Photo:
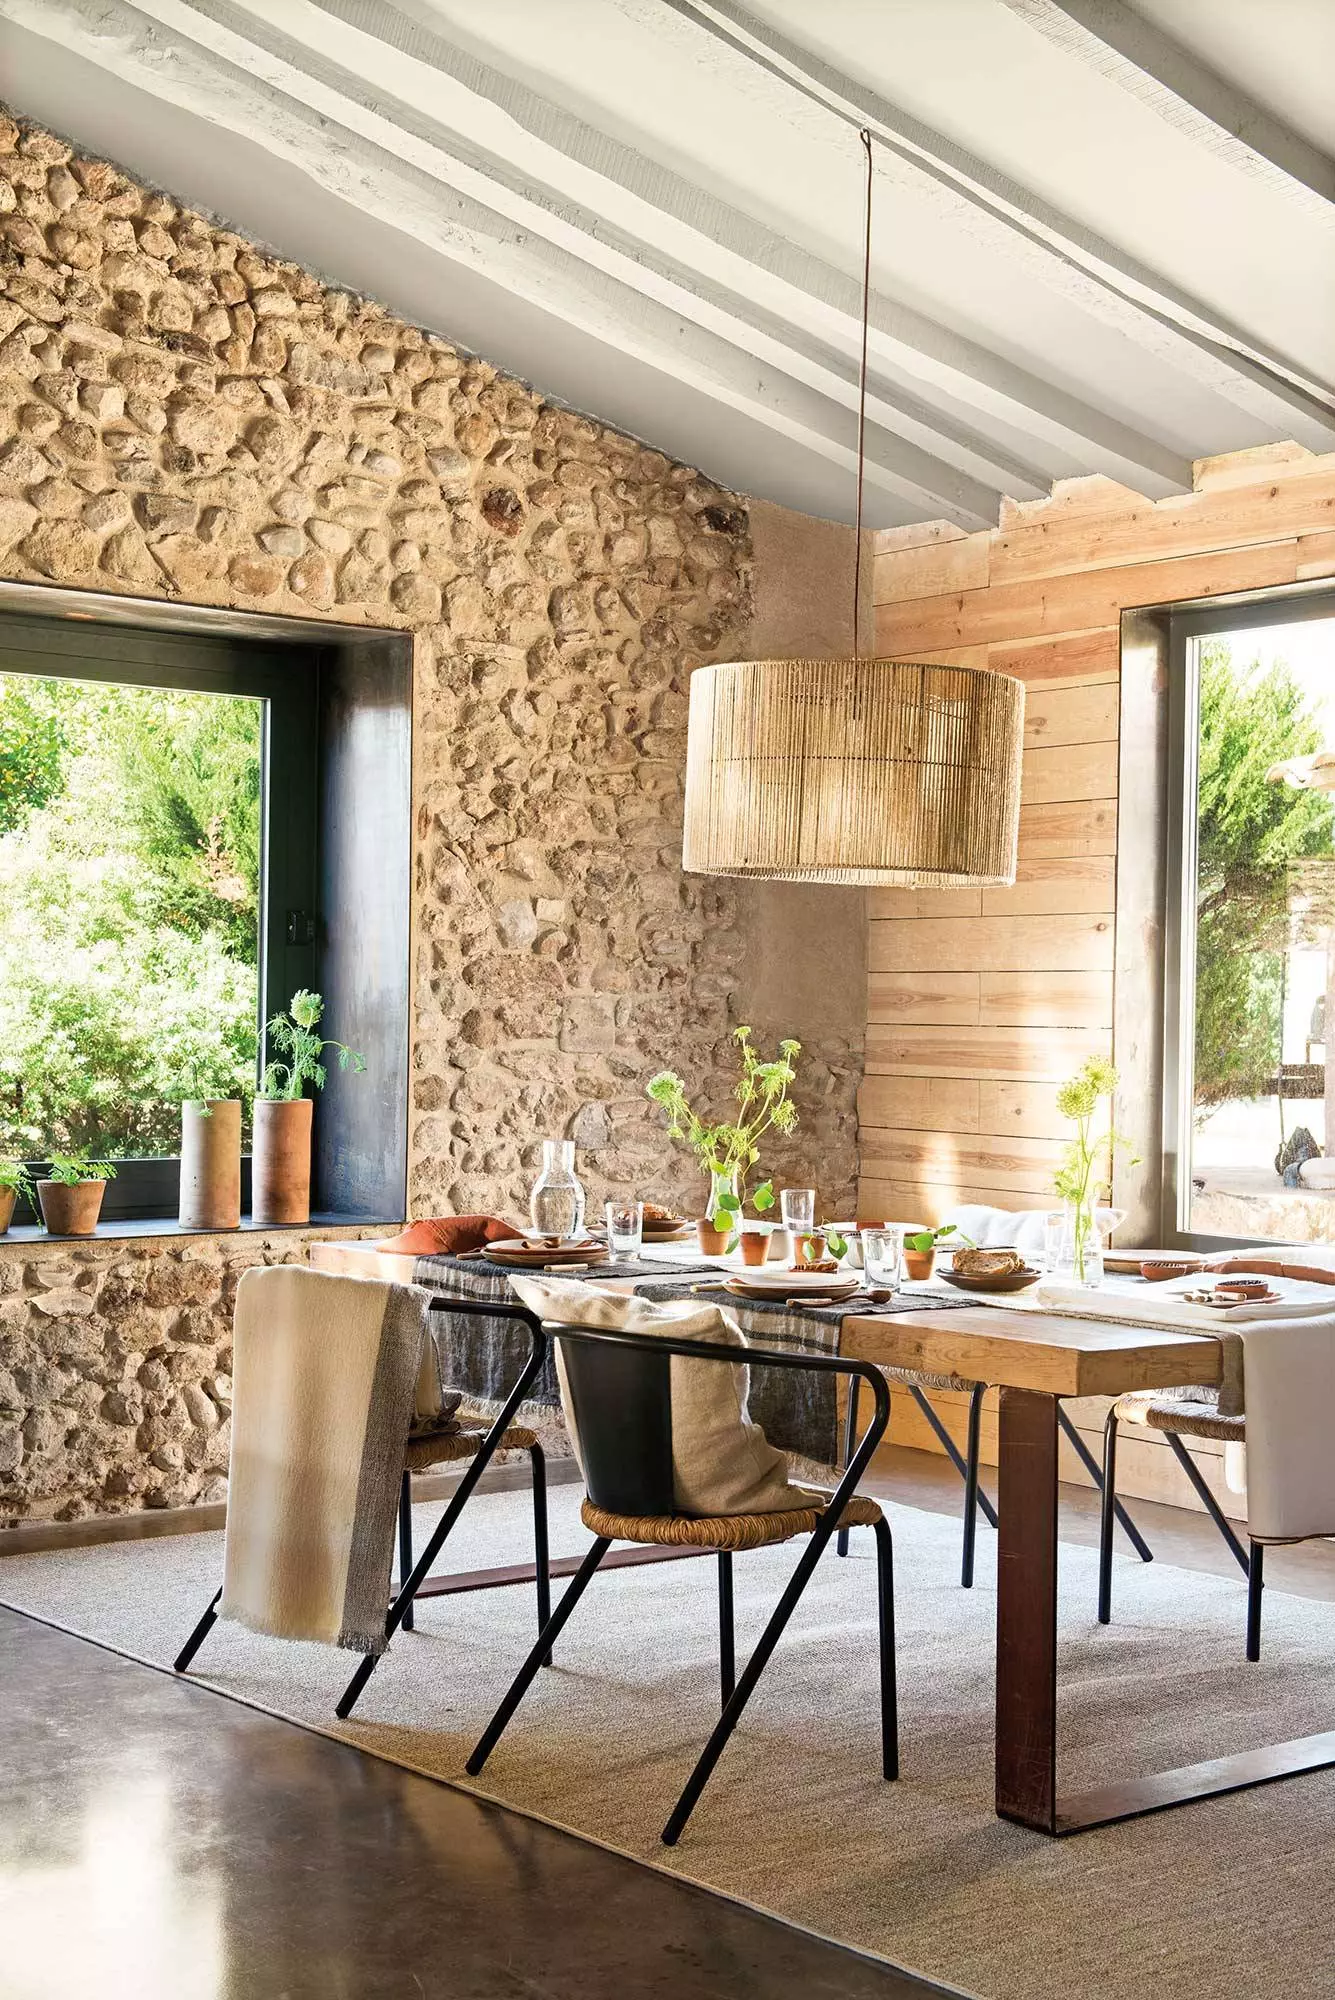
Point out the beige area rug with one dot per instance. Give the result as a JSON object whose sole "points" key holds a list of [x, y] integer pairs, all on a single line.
{"points": [[1228, 1898]]}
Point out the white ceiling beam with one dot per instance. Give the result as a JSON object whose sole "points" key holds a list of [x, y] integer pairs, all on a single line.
{"points": [[709, 240], [152, 47], [1187, 94], [1007, 219]]}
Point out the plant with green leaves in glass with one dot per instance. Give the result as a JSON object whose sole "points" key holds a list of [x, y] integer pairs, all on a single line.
{"points": [[295, 1036], [70, 1172], [729, 1150], [1086, 1172]]}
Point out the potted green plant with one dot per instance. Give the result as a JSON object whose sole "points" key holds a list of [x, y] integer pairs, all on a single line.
{"points": [[281, 1150], [71, 1198], [15, 1185], [920, 1250], [729, 1150]]}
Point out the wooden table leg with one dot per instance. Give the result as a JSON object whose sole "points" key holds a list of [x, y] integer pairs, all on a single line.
{"points": [[1026, 1754]]}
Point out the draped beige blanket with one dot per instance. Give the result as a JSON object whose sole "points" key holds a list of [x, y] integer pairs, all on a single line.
{"points": [[324, 1374]]}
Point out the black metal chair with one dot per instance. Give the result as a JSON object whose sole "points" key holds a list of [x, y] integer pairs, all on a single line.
{"points": [[1175, 1415], [917, 1382], [478, 1443], [619, 1385]]}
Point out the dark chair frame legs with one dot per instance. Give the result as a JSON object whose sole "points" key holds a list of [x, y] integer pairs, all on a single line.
{"points": [[401, 1607], [1249, 1557], [537, 1459], [737, 1691], [975, 1499]]}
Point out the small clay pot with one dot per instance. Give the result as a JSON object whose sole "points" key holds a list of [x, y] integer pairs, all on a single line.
{"points": [[919, 1264], [713, 1242], [808, 1248], [8, 1197], [70, 1211], [755, 1244], [211, 1164], [280, 1173]]}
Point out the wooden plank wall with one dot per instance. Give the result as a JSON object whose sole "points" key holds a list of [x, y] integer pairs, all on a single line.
{"points": [[982, 1000]]}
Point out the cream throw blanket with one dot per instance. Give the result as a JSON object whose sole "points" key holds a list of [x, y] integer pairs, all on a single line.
{"points": [[324, 1374]]}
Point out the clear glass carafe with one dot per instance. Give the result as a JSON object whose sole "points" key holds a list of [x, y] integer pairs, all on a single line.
{"points": [[556, 1204]]}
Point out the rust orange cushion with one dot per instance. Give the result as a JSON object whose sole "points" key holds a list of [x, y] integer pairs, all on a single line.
{"points": [[448, 1235]]}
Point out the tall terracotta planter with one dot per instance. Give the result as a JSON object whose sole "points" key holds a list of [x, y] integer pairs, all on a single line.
{"points": [[281, 1160], [70, 1210], [211, 1164]]}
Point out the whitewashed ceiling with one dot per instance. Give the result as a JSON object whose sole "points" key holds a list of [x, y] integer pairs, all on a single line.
{"points": [[1104, 232]]}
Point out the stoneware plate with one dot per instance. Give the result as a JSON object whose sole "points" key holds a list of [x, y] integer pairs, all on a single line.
{"points": [[516, 1251], [1010, 1281], [1127, 1263], [789, 1284]]}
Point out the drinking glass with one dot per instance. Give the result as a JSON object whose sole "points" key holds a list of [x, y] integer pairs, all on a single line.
{"points": [[1054, 1230], [798, 1208], [625, 1228], [882, 1250]]}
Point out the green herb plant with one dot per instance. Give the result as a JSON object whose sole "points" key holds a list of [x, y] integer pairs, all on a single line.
{"points": [[729, 1150], [924, 1240], [14, 1176], [73, 1173], [295, 1035]]}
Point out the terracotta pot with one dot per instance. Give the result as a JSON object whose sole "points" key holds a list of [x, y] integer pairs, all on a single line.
{"points": [[281, 1160], [7, 1199], [70, 1211], [211, 1164], [806, 1248], [755, 1244], [919, 1264], [713, 1242]]}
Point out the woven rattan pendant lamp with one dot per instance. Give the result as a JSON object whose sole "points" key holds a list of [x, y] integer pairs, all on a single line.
{"points": [[854, 770]]}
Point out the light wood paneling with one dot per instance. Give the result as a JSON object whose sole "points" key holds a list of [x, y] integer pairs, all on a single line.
{"points": [[982, 1000], [1023, 1055], [1006, 944], [950, 999], [1045, 1000], [1021, 1166], [1008, 611], [1086, 826], [1070, 661], [1086, 714]]}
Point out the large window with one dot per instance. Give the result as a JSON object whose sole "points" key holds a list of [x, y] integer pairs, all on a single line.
{"points": [[1251, 1029], [157, 855]]}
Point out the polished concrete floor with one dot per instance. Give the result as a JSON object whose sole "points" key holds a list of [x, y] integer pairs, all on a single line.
{"points": [[159, 1842]]}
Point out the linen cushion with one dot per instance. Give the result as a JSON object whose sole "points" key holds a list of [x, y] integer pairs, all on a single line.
{"points": [[722, 1463]]}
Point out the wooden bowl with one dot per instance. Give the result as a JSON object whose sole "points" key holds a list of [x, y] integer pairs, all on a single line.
{"points": [[1158, 1270], [1009, 1281]]}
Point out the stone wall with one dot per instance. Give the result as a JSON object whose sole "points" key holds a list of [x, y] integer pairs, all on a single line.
{"points": [[184, 416]]}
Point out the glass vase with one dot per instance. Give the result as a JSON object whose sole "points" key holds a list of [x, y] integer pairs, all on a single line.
{"points": [[723, 1184], [556, 1204], [1079, 1258]]}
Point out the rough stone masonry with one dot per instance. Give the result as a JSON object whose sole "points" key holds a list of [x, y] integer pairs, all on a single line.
{"points": [[185, 416]]}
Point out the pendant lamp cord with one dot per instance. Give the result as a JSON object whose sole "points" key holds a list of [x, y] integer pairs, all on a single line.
{"points": [[865, 137]]}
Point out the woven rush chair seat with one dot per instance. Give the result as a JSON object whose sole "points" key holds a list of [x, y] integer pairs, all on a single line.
{"points": [[722, 1531], [1161, 1410], [447, 1447], [920, 1378]]}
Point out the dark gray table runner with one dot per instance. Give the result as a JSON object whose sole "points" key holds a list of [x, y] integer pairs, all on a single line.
{"points": [[483, 1356]]}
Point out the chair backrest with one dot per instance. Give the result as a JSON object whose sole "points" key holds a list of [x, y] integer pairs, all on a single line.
{"points": [[622, 1404]]}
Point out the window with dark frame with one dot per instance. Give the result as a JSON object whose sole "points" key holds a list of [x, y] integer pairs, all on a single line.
{"points": [[1249, 1086], [158, 884]]}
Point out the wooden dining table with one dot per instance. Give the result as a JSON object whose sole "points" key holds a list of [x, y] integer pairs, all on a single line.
{"points": [[1036, 1359]]}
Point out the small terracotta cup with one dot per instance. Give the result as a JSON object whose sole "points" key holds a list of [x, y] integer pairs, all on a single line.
{"points": [[713, 1242], [806, 1249], [919, 1264], [755, 1243]]}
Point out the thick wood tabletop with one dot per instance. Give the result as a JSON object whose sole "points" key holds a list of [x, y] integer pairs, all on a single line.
{"points": [[1034, 1350]]}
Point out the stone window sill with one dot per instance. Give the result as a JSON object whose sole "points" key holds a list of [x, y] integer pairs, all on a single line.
{"points": [[24, 1235]]}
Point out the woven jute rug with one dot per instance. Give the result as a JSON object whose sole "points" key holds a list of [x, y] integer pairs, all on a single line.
{"points": [[1227, 1898]]}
